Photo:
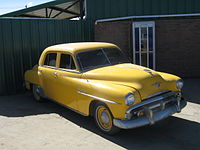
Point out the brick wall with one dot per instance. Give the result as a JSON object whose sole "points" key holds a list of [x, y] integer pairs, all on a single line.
{"points": [[177, 43], [178, 46], [118, 32]]}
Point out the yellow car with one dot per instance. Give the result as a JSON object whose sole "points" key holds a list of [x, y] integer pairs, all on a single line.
{"points": [[96, 79]]}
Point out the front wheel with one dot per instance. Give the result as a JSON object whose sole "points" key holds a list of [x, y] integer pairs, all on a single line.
{"points": [[104, 119]]}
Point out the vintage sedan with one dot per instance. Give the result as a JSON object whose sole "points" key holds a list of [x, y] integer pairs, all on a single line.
{"points": [[96, 79]]}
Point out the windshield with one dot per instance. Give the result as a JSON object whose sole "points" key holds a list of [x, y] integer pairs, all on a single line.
{"points": [[100, 57]]}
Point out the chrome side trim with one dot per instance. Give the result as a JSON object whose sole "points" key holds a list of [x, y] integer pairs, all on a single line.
{"points": [[67, 70], [98, 98], [151, 100]]}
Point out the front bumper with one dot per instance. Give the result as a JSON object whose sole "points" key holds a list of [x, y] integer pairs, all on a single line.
{"points": [[152, 110]]}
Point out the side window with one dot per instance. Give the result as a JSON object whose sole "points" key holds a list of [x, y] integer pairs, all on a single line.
{"points": [[50, 59], [67, 62]]}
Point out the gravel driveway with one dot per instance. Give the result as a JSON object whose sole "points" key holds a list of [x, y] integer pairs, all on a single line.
{"points": [[29, 125]]}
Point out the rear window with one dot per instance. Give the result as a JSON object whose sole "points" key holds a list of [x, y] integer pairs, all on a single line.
{"points": [[67, 62], [50, 59]]}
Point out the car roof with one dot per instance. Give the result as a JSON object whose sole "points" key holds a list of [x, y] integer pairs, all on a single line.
{"points": [[78, 47]]}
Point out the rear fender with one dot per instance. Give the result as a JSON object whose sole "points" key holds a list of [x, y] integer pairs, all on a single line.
{"points": [[31, 77]]}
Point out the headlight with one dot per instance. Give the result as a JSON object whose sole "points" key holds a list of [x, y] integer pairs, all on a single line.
{"points": [[179, 84], [129, 99]]}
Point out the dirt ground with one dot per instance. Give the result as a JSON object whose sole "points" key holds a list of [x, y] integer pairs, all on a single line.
{"points": [[29, 125]]}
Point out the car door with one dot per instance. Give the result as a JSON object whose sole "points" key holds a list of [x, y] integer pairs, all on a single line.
{"points": [[47, 75], [67, 80]]}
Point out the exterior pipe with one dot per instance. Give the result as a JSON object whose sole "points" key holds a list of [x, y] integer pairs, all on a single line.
{"points": [[148, 16]]}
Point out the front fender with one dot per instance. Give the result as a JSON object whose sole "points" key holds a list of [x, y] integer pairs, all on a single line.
{"points": [[171, 80], [168, 77], [113, 95]]}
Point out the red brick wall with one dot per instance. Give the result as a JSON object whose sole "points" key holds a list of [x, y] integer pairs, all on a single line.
{"points": [[177, 43]]}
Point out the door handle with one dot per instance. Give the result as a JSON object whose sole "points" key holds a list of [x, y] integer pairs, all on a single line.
{"points": [[39, 71], [55, 74]]}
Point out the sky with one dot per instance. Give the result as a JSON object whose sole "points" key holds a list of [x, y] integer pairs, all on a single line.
{"points": [[13, 5]]}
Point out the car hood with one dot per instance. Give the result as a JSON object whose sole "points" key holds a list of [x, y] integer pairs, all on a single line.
{"points": [[144, 80]]}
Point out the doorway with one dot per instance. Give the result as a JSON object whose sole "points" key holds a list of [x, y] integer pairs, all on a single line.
{"points": [[144, 44]]}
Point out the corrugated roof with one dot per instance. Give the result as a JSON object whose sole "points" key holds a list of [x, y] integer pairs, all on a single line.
{"points": [[59, 9]]}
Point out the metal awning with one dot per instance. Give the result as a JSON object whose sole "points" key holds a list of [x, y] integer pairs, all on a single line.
{"points": [[59, 9]]}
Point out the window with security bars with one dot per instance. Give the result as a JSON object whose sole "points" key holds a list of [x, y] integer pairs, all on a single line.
{"points": [[144, 47]]}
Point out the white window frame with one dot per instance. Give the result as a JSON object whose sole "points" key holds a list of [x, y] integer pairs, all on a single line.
{"points": [[140, 24]]}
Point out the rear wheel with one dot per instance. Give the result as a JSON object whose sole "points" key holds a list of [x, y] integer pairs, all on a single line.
{"points": [[104, 119], [36, 93]]}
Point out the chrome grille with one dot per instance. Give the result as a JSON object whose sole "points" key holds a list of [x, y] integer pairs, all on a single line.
{"points": [[156, 103]]}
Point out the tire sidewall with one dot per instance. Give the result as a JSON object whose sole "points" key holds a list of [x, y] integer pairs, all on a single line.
{"points": [[36, 96], [113, 129]]}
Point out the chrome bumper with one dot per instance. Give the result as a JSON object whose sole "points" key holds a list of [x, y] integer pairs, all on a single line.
{"points": [[153, 110]]}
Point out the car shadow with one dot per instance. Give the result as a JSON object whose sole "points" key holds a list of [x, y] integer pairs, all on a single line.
{"points": [[171, 133]]}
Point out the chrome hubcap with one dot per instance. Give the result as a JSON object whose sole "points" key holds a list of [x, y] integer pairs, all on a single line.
{"points": [[104, 118], [37, 91]]}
